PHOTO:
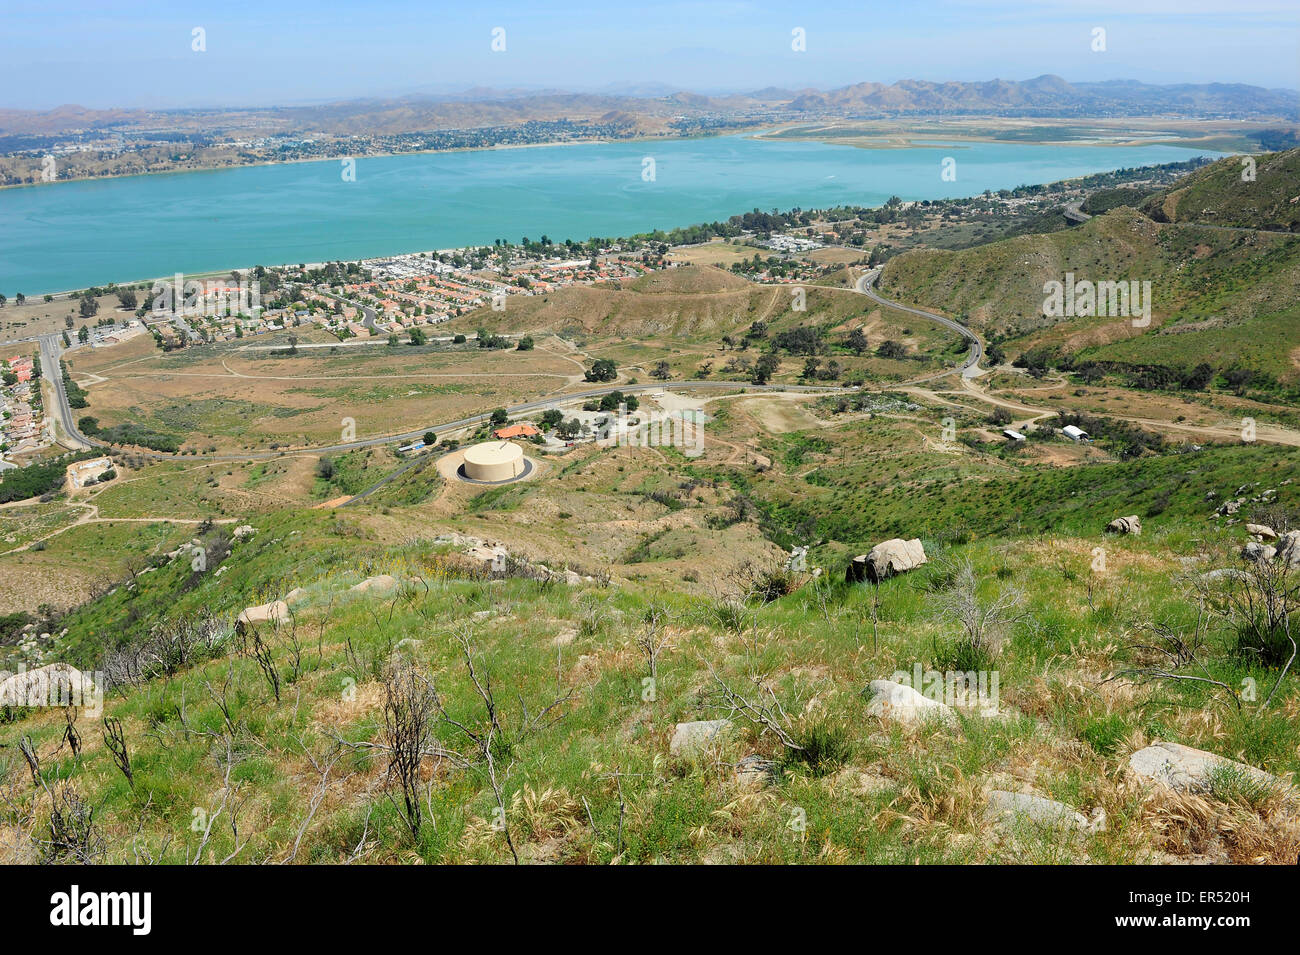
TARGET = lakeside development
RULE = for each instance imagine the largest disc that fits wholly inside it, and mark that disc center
(310, 212)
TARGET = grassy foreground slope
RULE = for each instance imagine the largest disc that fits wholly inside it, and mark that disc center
(281, 737)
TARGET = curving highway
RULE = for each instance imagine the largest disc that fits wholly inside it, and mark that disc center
(863, 286)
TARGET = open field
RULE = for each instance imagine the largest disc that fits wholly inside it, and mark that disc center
(226, 398)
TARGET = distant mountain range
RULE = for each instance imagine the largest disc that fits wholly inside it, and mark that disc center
(649, 106)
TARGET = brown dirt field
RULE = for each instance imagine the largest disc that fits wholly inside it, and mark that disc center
(242, 400)
(717, 253)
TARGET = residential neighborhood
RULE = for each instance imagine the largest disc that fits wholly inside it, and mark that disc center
(22, 428)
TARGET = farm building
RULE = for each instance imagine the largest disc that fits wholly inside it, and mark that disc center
(1075, 434)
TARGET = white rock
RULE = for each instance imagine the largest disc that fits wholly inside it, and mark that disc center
(1009, 806)
(1262, 531)
(1126, 525)
(277, 612)
(755, 771)
(894, 701)
(1186, 769)
(1257, 551)
(1288, 549)
(886, 559)
(692, 738)
(383, 583)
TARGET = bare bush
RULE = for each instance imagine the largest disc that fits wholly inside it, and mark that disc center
(409, 704)
(984, 622)
(115, 743)
(74, 836)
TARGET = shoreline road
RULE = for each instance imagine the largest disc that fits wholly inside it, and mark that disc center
(51, 370)
(968, 368)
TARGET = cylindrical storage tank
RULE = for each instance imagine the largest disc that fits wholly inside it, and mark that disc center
(494, 461)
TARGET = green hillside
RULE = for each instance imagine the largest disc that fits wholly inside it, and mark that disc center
(1227, 194)
(1221, 297)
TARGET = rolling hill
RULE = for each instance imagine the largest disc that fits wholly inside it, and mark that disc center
(1222, 296)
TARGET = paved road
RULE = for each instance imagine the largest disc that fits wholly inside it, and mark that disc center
(1074, 212)
(863, 285)
(368, 313)
(51, 350)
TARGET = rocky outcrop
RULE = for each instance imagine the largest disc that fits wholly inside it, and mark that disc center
(1004, 806)
(1262, 531)
(1257, 551)
(495, 557)
(381, 584)
(1288, 548)
(895, 556)
(894, 701)
(755, 771)
(1125, 525)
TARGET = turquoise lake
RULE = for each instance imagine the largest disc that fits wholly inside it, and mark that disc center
(71, 235)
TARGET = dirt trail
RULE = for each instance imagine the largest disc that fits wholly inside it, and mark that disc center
(91, 516)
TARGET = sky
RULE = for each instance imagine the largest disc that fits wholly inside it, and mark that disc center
(126, 53)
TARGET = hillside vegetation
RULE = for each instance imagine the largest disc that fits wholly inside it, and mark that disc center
(1219, 297)
(1255, 192)
(541, 742)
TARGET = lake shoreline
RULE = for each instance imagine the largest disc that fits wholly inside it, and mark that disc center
(266, 215)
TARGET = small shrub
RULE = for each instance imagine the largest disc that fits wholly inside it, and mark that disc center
(824, 748)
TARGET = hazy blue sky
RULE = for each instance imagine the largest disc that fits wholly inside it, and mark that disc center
(127, 53)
